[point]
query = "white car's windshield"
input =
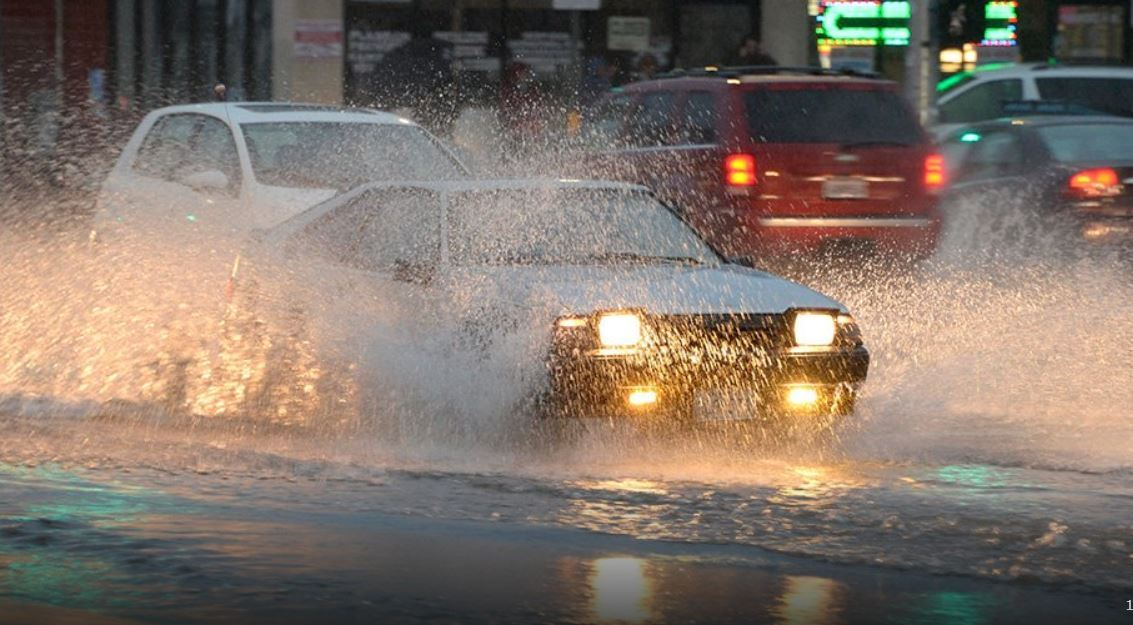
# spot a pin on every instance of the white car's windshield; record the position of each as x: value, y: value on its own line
x: 568, y: 226
x: 342, y: 155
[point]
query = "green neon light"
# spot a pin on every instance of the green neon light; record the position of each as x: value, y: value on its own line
x: 949, y: 82
x: 970, y: 137
x: 1000, y: 11
x: 999, y: 34
x: 1001, y: 18
x: 865, y: 23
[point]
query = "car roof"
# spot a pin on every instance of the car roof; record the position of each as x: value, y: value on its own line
x: 253, y: 112
x: 1047, y: 69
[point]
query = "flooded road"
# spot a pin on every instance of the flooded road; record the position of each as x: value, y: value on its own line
x: 205, y: 526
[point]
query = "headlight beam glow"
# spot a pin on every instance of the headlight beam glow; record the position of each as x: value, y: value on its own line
x: 619, y: 329
x: 814, y: 329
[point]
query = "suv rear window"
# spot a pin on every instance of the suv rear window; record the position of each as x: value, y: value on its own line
x: 831, y: 115
x: 1108, y: 95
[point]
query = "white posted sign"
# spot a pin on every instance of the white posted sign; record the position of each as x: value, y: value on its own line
x: 576, y: 5
x: 627, y: 33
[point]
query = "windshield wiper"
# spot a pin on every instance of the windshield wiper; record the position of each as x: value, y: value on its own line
x: 634, y: 257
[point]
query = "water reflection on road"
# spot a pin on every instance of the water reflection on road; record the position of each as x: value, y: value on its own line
x: 201, y: 532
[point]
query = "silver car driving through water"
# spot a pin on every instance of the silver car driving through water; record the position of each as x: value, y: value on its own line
x: 628, y: 312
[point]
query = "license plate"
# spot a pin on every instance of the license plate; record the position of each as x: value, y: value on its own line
x: 725, y: 405
x: 845, y: 189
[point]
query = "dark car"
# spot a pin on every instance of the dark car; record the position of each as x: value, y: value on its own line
x: 775, y: 162
x: 1069, y: 174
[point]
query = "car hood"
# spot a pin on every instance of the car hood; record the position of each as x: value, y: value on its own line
x: 660, y: 289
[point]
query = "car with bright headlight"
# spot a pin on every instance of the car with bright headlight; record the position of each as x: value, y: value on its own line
x: 624, y: 310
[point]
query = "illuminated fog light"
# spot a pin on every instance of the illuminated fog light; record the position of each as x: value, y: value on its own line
x: 572, y: 322
x: 642, y: 397
x: 802, y: 396
x: 619, y: 330
x: 814, y: 329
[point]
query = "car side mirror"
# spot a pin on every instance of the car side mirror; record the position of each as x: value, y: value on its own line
x: 207, y: 181
x: 413, y: 272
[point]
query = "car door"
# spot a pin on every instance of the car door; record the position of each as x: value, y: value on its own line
x: 184, y: 181
x: 993, y: 160
x: 140, y: 183
x: 374, y: 264
x: 995, y: 175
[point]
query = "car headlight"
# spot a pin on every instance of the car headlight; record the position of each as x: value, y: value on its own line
x: 619, y: 330
x: 814, y: 329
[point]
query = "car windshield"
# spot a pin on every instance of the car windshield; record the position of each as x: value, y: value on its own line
x: 342, y: 155
x: 1088, y: 143
x: 831, y: 115
x: 568, y: 226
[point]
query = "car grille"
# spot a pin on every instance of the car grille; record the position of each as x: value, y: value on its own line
x: 718, y: 340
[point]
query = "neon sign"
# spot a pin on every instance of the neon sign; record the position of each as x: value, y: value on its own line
x: 863, y: 23
x: 1000, y: 22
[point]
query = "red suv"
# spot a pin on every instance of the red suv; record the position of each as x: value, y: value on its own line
x: 770, y: 163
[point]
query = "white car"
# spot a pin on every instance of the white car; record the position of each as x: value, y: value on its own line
x: 233, y: 167
x: 626, y: 309
x: 980, y: 95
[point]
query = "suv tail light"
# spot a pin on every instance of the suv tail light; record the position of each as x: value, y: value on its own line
x: 934, y: 175
x: 1101, y: 182
x: 739, y: 170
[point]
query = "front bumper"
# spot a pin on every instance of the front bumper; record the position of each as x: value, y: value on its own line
x: 703, y: 380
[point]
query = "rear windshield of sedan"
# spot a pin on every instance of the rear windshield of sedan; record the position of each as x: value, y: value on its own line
x: 340, y: 155
x: 1088, y: 143
x: 557, y: 226
x: 831, y: 115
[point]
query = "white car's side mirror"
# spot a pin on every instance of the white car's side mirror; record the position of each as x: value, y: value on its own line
x: 208, y: 180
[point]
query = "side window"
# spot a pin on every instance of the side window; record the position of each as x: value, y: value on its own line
x: 604, y: 130
x: 166, y: 146
x: 981, y: 102
x: 1105, y: 95
x: 700, y: 118
x: 653, y: 125
x: 379, y: 230
x: 215, y: 149
x: 995, y: 155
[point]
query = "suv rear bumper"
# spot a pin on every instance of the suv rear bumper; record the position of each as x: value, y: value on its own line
x: 912, y: 237
x: 762, y: 229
